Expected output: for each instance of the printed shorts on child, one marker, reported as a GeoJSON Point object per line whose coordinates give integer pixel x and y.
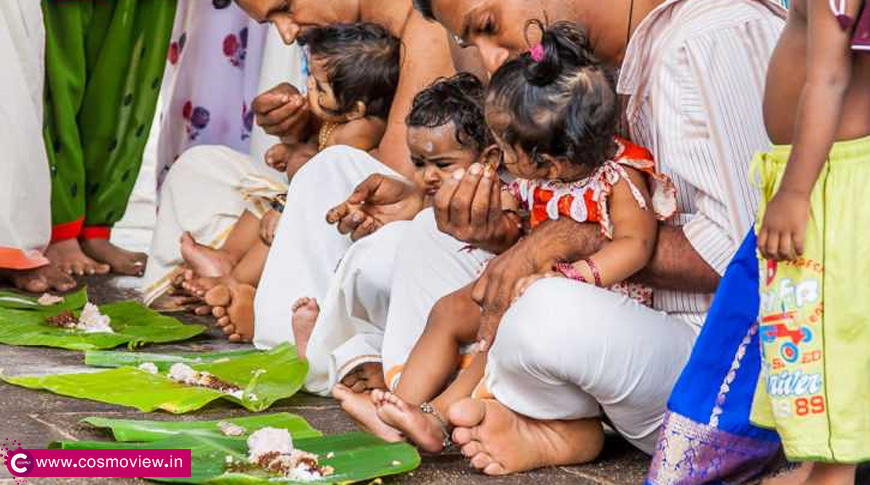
{"type": "Point", "coordinates": [814, 387]}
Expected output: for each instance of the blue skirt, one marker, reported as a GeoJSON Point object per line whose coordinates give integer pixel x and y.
{"type": "Point", "coordinates": [706, 436]}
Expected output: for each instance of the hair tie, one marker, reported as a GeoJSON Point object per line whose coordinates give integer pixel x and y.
{"type": "Point", "coordinates": [537, 53]}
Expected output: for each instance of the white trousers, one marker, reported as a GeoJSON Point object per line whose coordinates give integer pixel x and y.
{"type": "Point", "coordinates": [306, 251]}
{"type": "Point", "coordinates": [25, 186]}
{"type": "Point", "coordinates": [568, 350]}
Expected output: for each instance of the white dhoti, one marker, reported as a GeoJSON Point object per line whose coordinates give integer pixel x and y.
{"type": "Point", "coordinates": [429, 265]}
{"type": "Point", "coordinates": [25, 186]}
{"type": "Point", "coordinates": [203, 194]}
{"type": "Point", "coordinates": [306, 251]}
{"type": "Point", "coordinates": [350, 327]}
{"type": "Point", "coordinates": [568, 350]}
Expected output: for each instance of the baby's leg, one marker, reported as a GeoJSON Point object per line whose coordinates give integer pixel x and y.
{"type": "Point", "coordinates": [427, 427]}
{"type": "Point", "coordinates": [209, 262]}
{"type": "Point", "coordinates": [454, 320]}
{"type": "Point", "coordinates": [831, 474]}
{"type": "Point", "coordinates": [250, 267]}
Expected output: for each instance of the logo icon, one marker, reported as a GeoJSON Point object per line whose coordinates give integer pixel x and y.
{"type": "Point", "coordinates": [18, 461]}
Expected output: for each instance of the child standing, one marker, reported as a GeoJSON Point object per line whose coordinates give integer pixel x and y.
{"type": "Point", "coordinates": [814, 326]}
{"type": "Point", "coordinates": [553, 113]}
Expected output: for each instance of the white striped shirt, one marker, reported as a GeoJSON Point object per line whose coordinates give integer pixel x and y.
{"type": "Point", "coordinates": [694, 74]}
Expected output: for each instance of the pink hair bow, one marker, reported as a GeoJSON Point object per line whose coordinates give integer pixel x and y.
{"type": "Point", "coordinates": [537, 53]}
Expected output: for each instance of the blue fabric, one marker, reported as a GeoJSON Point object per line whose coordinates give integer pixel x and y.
{"type": "Point", "coordinates": [699, 442]}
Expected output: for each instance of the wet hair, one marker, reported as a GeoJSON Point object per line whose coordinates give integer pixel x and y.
{"type": "Point", "coordinates": [425, 9]}
{"type": "Point", "coordinates": [562, 104]}
{"type": "Point", "coordinates": [362, 64]}
{"type": "Point", "coordinates": [458, 99]}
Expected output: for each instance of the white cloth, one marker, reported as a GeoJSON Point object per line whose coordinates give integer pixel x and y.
{"type": "Point", "coordinates": [694, 72]}
{"type": "Point", "coordinates": [25, 186]}
{"type": "Point", "coordinates": [306, 250]}
{"type": "Point", "coordinates": [204, 195]}
{"type": "Point", "coordinates": [350, 327]}
{"type": "Point", "coordinates": [569, 350]}
{"type": "Point", "coordinates": [429, 265]}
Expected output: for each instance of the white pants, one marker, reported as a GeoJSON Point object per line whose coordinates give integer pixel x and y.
{"type": "Point", "coordinates": [306, 250]}
{"type": "Point", "coordinates": [25, 186]}
{"type": "Point", "coordinates": [568, 350]}
{"type": "Point", "coordinates": [204, 195]}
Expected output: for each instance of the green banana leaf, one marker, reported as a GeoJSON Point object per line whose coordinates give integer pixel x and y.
{"type": "Point", "coordinates": [134, 325]}
{"type": "Point", "coordinates": [140, 430]}
{"type": "Point", "coordinates": [14, 300]}
{"type": "Point", "coordinates": [105, 358]}
{"type": "Point", "coordinates": [284, 376]}
{"type": "Point", "coordinates": [354, 456]}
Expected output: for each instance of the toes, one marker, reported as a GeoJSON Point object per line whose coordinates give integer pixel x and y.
{"type": "Point", "coordinates": [202, 310]}
{"type": "Point", "coordinates": [219, 296]}
{"type": "Point", "coordinates": [377, 396]}
{"type": "Point", "coordinates": [359, 387]}
{"type": "Point", "coordinates": [77, 268]}
{"type": "Point", "coordinates": [462, 436]}
{"type": "Point", "coordinates": [467, 413]}
{"type": "Point", "coordinates": [481, 461]}
{"type": "Point", "coordinates": [219, 312]}
{"type": "Point", "coordinates": [495, 468]}
{"type": "Point", "coordinates": [223, 321]}
{"type": "Point", "coordinates": [471, 449]}
{"type": "Point", "coordinates": [101, 269]}
{"type": "Point", "coordinates": [235, 338]}
{"type": "Point", "coordinates": [300, 303]}
{"type": "Point", "coordinates": [229, 329]}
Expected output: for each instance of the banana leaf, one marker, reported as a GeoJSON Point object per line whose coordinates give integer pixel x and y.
{"type": "Point", "coordinates": [283, 377]}
{"type": "Point", "coordinates": [14, 300]}
{"type": "Point", "coordinates": [105, 358]}
{"type": "Point", "coordinates": [133, 324]}
{"type": "Point", "coordinates": [355, 457]}
{"type": "Point", "coordinates": [140, 430]}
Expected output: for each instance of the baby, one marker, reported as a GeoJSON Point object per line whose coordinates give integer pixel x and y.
{"type": "Point", "coordinates": [354, 72]}
{"type": "Point", "coordinates": [446, 133]}
{"type": "Point", "coordinates": [553, 113]}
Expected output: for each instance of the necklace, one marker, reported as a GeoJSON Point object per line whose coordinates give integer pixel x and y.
{"type": "Point", "coordinates": [325, 132]}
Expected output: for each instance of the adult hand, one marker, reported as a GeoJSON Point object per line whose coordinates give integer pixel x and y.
{"type": "Point", "coordinates": [282, 111]}
{"type": "Point", "coordinates": [378, 200]}
{"type": "Point", "coordinates": [468, 207]}
{"type": "Point", "coordinates": [785, 226]}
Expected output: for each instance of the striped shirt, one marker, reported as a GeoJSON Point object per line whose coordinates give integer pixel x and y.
{"type": "Point", "coordinates": [694, 75]}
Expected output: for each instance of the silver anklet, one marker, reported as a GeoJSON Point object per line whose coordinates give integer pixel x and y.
{"type": "Point", "coordinates": [428, 408]}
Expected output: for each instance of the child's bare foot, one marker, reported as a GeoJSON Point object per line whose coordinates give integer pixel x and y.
{"type": "Point", "coordinates": [366, 377]}
{"type": "Point", "coordinates": [203, 260]}
{"type": "Point", "coordinates": [362, 410]}
{"type": "Point", "coordinates": [39, 280]}
{"type": "Point", "coordinates": [198, 286]}
{"type": "Point", "coordinates": [233, 306]}
{"type": "Point", "coordinates": [68, 257]}
{"type": "Point", "coordinates": [305, 312]}
{"type": "Point", "coordinates": [119, 260]}
{"type": "Point", "coordinates": [424, 430]}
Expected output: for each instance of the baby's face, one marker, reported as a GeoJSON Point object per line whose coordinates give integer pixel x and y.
{"type": "Point", "coordinates": [321, 98]}
{"type": "Point", "coordinates": [436, 154]}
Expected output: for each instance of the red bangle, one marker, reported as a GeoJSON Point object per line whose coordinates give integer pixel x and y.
{"type": "Point", "coordinates": [569, 271]}
{"type": "Point", "coordinates": [595, 273]}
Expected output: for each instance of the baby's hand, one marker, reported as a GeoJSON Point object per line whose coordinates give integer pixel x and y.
{"type": "Point", "coordinates": [524, 283]}
{"type": "Point", "coordinates": [268, 225]}
{"type": "Point", "coordinates": [784, 227]}
{"type": "Point", "coordinates": [289, 158]}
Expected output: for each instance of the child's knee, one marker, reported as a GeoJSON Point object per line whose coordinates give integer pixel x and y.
{"type": "Point", "coordinates": [455, 314]}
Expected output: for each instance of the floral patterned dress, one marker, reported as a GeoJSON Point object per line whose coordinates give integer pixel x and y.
{"type": "Point", "coordinates": [587, 200]}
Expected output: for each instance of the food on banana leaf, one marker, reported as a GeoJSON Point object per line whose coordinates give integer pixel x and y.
{"type": "Point", "coordinates": [230, 429]}
{"type": "Point", "coordinates": [148, 367]}
{"type": "Point", "coordinates": [90, 320]}
{"type": "Point", "coordinates": [47, 299]}
{"type": "Point", "coordinates": [272, 449]}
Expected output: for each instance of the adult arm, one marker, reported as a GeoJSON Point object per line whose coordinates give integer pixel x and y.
{"type": "Point", "coordinates": [829, 72]}
{"type": "Point", "coordinates": [425, 57]}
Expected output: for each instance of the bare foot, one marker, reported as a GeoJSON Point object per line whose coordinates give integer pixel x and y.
{"type": "Point", "coordinates": [203, 260]}
{"type": "Point", "coordinates": [499, 441]}
{"type": "Point", "coordinates": [233, 306]}
{"type": "Point", "coordinates": [366, 377]}
{"type": "Point", "coordinates": [39, 280]}
{"type": "Point", "coordinates": [421, 428]}
{"type": "Point", "coordinates": [305, 312]}
{"type": "Point", "coordinates": [198, 286]}
{"type": "Point", "coordinates": [68, 257]}
{"type": "Point", "coordinates": [362, 410]}
{"type": "Point", "coordinates": [120, 260]}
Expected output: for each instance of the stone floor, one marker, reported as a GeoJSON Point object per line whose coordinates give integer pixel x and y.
{"type": "Point", "coordinates": [37, 418]}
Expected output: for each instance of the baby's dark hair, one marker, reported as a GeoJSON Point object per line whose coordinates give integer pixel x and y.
{"type": "Point", "coordinates": [362, 62]}
{"type": "Point", "coordinates": [459, 99]}
{"type": "Point", "coordinates": [425, 9]}
{"type": "Point", "coordinates": [560, 98]}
